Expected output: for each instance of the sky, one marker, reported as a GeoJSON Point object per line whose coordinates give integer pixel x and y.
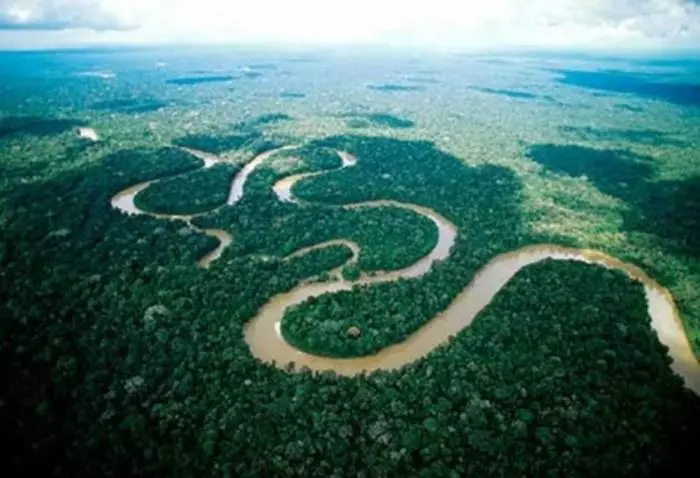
{"type": "Point", "coordinates": [462, 25]}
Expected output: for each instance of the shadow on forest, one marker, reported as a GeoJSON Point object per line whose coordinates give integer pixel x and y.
{"type": "Point", "coordinates": [667, 209]}
{"type": "Point", "coordinates": [685, 94]}
{"type": "Point", "coordinates": [395, 87]}
{"type": "Point", "coordinates": [263, 120]}
{"type": "Point", "coordinates": [291, 95]}
{"type": "Point", "coordinates": [218, 144]}
{"type": "Point", "coordinates": [35, 126]}
{"type": "Point", "coordinates": [129, 105]}
{"type": "Point", "coordinates": [13, 171]}
{"type": "Point", "coordinates": [196, 80]}
{"type": "Point", "coordinates": [434, 177]}
{"type": "Point", "coordinates": [612, 171]}
{"type": "Point", "coordinates": [71, 212]}
{"type": "Point", "coordinates": [522, 95]}
{"type": "Point", "coordinates": [357, 123]}
{"type": "Point", "coordinates": [379, 119]}
{"type": "Point", "coordinates": [634, 109]}
{"type": "Point", "coordinates": [515, 94]}
{"type": "Point", "coordinates": [643, 136]}
{"type": "Point", "coordinates": [246, 135]}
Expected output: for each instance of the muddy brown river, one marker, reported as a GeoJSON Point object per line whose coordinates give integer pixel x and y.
{"type": "Point", "coordinates": [262, 332]}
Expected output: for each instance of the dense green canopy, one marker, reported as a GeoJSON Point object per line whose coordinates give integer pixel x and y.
{"type": "Point", "coordinates": [130, 360]}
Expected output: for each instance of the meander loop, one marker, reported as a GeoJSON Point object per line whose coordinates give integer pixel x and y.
{"type": "Point", "coordinates": [266, 343]}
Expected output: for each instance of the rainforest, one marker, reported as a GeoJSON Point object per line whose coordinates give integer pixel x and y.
{"type": "Point", "coordinates": [391, 265]}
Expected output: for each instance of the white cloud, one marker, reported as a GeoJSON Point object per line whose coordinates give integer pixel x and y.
{"type": "Point", "coordinates": [66, 14]}
{"type": "Point", "coordinates": [459, 24]}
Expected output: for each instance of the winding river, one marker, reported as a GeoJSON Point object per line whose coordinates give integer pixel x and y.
{"type": "Point", "coordinates": [262, 333]}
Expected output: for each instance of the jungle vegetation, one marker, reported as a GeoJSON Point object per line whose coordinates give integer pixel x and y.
{"type": "Point", "coordinates": [246, 135]}
{"type": "Point", "coordinates": [130, 105]}
{"type": "Point", "coordinates": [387, 169]}
{"type": "Point", "coordinates": [219, 144]}
{"type": "Point", "coordinates": [667, 208]}
{"type": "Point", "coordinates": [120, 357]}
{"type": "Point", "coordinates": [357, 123]}
{"type": "Point", "coordinates": [159, 381]}
{"type": "Point", "coordinates": [191, 193]}
{"type": "Point", "coordinates": [386, 120]}
{"type": "Point", "coordinates": [262, 120]}
{"type": "Point", "coordinates": [264, 225]}
{"type": "Point", "coordinates": [37, 126]}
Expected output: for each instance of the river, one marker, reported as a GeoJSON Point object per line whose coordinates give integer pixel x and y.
{"type": "Point", "coordinates": [262, 332]}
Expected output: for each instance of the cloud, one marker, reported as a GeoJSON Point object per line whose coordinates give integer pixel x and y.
{"type": "Point", "coordinates": [455, 24]}
{"type": "Point", "coordinates": [64, 14]}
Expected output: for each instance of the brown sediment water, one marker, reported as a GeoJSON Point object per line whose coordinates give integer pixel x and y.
{"type": "Point", "coordinates": [283, 187]}
{"type": "Point", "coordinates": [225, 240]}
{"type": "Point", "coordinates": [447, 231]}
{"type": "Point", "coordinates": [262, 333]}
{"type": "Point", "coordinates": [208, 158]}
{"type": "Point", "coordinates": [125, 200]}
{"type": "Point", "coordinates": [239, 181]}
{"type": "Point", "coordinates": [266, 343]}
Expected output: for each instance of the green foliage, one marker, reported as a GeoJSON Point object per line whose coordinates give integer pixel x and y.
{"type": "Point", "coordinates": [318, 158]}
{"type": "Point", "coordinates": [380, 119]}
{"type": "Point", "coordinates": [358, 123]}
{"type": "Point", "coordinates": [610, 170]}
{"type": "Point", "coordinates": [130, 360]}
{"type": "Point", "coordinates": [219, 144]}
{"type": "Point", "coordinates": [130, 106]}
{"type": "Point", "coordinates": [191, 193]}
{"type": "Point", "coordinates": [247, 135]}
{"type": "Point", "coordinates": [388, 313]}
{"type": "Point", "coordinates": [561, 370]}
{"type": "Point", "coordinates": [646, 136]}
{"type": "Point", "coordinates": [351, 273]}
{"type": "Point", "coordinates": [31, 125]}
{"type": "Point", "coordinates": [390, 121]}
{"type": "Point", "coordinates": [263, 225]}
{"type": "Point", "coordinates": [263, 120]}
{"type": "Point", "coordinates": [120, 358]}
{"type": "Point", "coordinates": [667, 208]}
